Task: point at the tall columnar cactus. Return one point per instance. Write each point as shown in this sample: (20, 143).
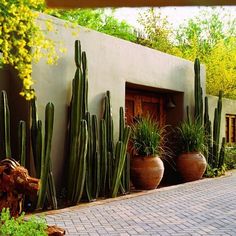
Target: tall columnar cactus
(89, 159)
(107, 116)
(22, 142)
(121, 136)
(208, 133)
(5, 147)
(212, 140)
(85, 83)
(38, 148)
(51, 188)
(125, 180)
(216, 130)
(92, 163)
(75, 118)
(116, 162)
(46, 157)
(92, 184)
(36, 138)
(80, 164)
(96, 162)
(120, 158)
(222, 153)
(109, 123)
(215, 153)
(78, 111)
(34, 129)
(41, 148)
(126, 173)
(104, 156)
(198, 94)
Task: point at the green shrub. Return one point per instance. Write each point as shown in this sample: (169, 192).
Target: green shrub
(230, 158)
(10, 226)
(215, 172)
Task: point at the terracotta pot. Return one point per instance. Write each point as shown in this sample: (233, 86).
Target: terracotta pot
(146, 172)
(191, 166)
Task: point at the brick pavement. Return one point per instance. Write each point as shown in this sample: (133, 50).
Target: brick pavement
(205, 207)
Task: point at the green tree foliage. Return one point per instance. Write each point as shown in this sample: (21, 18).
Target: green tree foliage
(157, 31)
(97, 19)
(221, 68)
(210, 36)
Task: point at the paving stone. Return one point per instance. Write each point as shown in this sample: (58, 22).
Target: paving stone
(206, 207)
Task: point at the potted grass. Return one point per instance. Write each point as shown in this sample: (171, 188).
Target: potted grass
(191, 163)
(146, 167)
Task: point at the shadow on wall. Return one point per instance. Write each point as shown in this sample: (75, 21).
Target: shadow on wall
(19, 107)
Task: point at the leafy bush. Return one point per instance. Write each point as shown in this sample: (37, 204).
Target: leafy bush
(229, 163)
(10, 226)
(215, 172)
(230, 158)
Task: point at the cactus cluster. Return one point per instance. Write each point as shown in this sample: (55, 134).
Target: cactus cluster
(41, 148)
(198, 95)
(78, 130)
(214, 152)
(95, 166)
(208, 133)
(41, 153)
(114, 158)
(47, 188)
(214, 156)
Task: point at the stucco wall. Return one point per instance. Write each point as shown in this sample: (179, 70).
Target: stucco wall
(228, 107)
(111, 63)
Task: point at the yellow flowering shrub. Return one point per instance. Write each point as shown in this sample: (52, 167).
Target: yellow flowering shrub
(18, 35)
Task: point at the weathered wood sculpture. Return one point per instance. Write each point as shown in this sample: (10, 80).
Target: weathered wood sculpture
(15, 182)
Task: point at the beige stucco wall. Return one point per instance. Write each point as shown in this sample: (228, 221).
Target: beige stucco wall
(111, 63)
(228, 107)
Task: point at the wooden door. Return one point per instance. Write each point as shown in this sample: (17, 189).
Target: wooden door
(138, 104)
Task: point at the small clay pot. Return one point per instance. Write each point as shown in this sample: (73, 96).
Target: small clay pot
(191, 166)
(146, 172)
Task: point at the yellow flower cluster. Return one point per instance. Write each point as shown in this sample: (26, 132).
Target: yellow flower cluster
(18, 34)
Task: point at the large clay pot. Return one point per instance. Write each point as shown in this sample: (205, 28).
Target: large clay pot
(146, 172)
(191, 166)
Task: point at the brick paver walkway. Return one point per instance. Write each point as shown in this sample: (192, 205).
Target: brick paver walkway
(205, 207)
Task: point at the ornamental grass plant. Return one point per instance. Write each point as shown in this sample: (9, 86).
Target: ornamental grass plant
(191, 136)
(146, 137)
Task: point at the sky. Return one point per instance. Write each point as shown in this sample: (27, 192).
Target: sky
(176, 15)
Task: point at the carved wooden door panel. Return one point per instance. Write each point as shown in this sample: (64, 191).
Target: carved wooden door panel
(139, 104)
